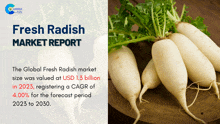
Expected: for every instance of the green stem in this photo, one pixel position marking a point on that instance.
(158, 25)
(135, 22)
(184, 7)
(150, 33)
(126, 21)
(172, 7)
(135, 13)
(164, 26)
(112, 27)
(132, 41)
(139, 25)
(175, 29)
(171, 17)
(124, 32)
(110, 21)
(177, 16)
(141, 20)
(152, 15)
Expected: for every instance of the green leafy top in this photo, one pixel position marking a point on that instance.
(150, 17)
(198, 22)
(154, 18)
(120, 32)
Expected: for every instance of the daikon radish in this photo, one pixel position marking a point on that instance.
(149, 78)
(199, 68)
(60, 57)
(100, 62)
(172, 71)
(125, 75)
(202, 41)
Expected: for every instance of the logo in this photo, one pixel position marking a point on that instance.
(11, 10)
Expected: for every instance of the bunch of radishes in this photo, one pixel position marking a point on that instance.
(189, 53)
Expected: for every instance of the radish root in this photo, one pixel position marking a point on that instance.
(184, 105)
(214, 84)
(194, 98)
(198, 119)
(145, 101)
(134, 106)
(80, 104)
(193, 83)
(199, 88)
(144, 89)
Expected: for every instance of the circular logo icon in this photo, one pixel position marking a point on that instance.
(9, 8)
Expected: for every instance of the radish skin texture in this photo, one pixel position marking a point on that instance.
(198, 66)
(149, 78)
(125, 76)
(99, 50)
(172, 71)
(202, 41)
(60, 57)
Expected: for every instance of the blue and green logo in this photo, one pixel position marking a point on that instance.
(9, 9)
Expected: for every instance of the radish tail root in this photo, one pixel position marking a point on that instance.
(194, 98)
(192, 84)
(215, 86)
(182, 101)
(134, 106)
(193, 116)
(202, 88)
(144, 89)
(80, 104)
(190, 114)
(145, 101)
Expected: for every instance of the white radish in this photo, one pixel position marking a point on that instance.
(198, 66)
(172, 71)
(202, 41)
(60, 57)
(125, 76)
(149, 78)
(100, 62)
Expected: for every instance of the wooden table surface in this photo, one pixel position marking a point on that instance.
(208, 9)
